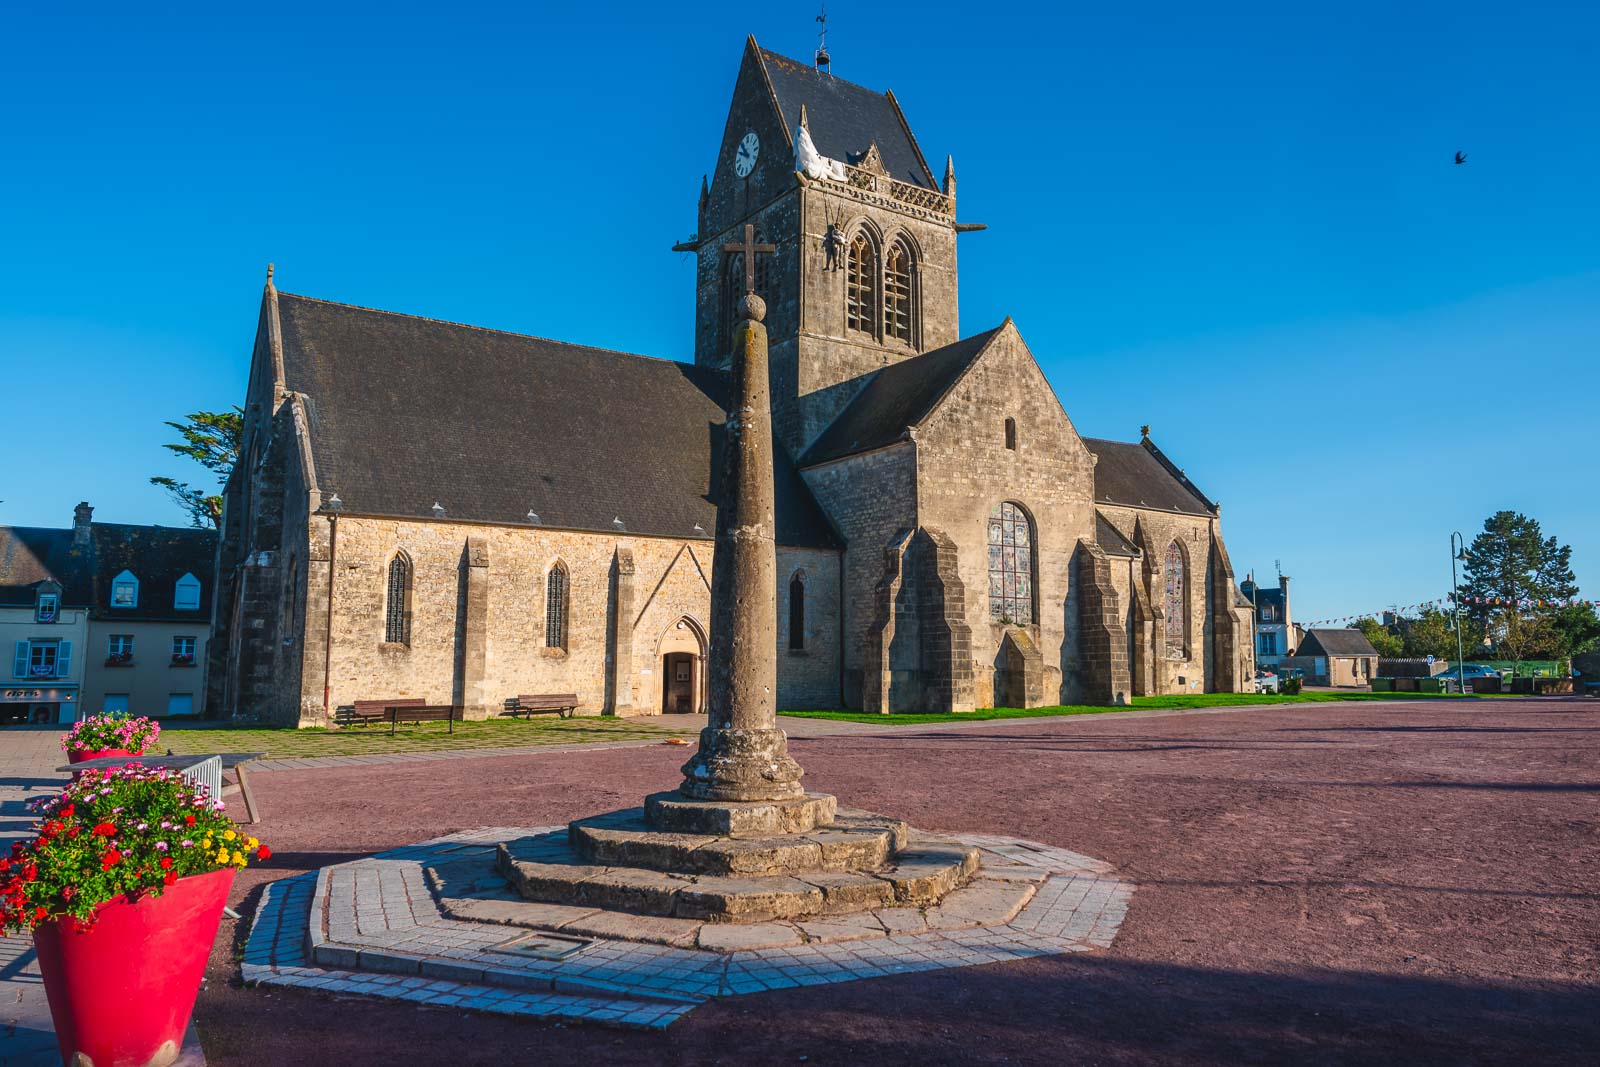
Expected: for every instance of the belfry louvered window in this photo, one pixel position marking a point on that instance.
(555, 608)
(1177, 603)
(397, 611)
(861, 286)
(898, 293)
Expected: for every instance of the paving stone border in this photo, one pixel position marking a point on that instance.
(373, 927)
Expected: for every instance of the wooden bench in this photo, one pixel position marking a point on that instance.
(395, 711)
(563, 704)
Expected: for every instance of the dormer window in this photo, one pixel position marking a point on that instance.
(186, 594)
(48, 607)
(125, 591)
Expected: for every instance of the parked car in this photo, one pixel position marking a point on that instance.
(1267, 682)
(1469, 671)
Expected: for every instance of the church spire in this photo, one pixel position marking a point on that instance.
(950, 177)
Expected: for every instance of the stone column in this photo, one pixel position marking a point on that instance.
(620, 654)
(743, 755)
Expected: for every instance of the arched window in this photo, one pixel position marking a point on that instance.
(899, 293)
(397, 613)
(861, 286)
(1011, 434)
(797, 612)
(555, 607)
(733, 287)
(1177, 603)
(1010, 565)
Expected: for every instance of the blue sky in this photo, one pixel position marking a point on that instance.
(1239, 224)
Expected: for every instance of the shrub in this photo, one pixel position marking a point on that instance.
(1290, 687)
(115, 730)
(125, 831)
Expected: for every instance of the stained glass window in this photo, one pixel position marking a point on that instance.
(1010, 565)
(897, 292)
(861, 286)
(555, 608)
(397, 615)
(1177, 604)
(797, 613)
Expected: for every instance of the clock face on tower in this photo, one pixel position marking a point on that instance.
(744, 160)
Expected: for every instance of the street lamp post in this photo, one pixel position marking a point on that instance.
(1457, 551)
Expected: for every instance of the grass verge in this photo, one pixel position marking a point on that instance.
(1198, 700)
(421, 737)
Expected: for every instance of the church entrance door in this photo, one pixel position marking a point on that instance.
(678, 670)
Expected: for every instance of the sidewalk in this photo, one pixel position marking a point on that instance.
(28, 760)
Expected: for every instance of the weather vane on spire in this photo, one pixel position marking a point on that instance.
(823, 58)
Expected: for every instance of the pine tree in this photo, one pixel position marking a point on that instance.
(211, 439)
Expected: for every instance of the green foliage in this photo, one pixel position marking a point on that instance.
(211, 439)
(1513, 573)
(1432, 634)
(1290, 687)
(1576, 628)
(1389, 645)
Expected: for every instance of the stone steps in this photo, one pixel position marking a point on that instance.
(626, 839)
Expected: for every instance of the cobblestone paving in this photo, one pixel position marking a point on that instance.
(371, 927)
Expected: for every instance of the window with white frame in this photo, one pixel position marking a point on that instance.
(186, 594)
(182, 649)
(125, 591)
(119, 646)
(48, 608)
(42, 659)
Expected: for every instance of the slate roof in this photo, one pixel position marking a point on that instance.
(1335, 642)
(30, 555)
(899, 395)
(1110, 539)
(1137, 475)
(844, 118)
(407, 411)
(157, 555)
(1264, 597)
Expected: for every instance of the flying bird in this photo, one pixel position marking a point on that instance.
(1461, 157)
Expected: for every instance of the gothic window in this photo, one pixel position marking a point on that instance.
(899, 293)
(555, 608)
(397, 614)
(797, 612)
(733, 287)
(1010, 565)
(1011, 434)
(1177, 603)
(861, 286)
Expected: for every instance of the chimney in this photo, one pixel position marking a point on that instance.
(1288, 619)
(82, 515)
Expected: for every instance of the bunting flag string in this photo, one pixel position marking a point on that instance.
(1444, 603)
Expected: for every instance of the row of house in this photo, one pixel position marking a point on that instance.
(104, 617)
(1336, 656)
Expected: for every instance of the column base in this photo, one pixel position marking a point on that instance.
(742, 765)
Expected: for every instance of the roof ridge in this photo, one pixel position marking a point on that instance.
(487, 329)
(801, 63)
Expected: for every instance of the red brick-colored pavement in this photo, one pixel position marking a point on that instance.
(1318, 883)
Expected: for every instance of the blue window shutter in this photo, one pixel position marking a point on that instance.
(64, 660)
(20, 666)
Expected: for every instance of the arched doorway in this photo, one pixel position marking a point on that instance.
(682, 658)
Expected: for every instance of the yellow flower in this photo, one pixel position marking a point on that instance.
(228, 835)
(238, 857)
(207, 842)
(252, 844)
(222, 855)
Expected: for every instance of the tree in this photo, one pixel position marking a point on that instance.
(211, 439)
(1388, 645)
(1516, 582)
(1576, 629)
(1432, 634)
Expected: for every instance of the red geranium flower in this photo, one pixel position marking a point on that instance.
(188, 820)
(169, 878)
(39, 913)
(66, 811)
(263, 853)
(104, 829)
(67, 892)
(110, 860)
(166, 863)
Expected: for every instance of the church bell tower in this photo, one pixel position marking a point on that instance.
(865, 269)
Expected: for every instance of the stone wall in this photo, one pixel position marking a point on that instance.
(478, 617)
(965, 471)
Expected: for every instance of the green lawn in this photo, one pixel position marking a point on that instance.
(421, 737)
(1198, 700)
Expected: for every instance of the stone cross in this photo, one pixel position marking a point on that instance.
(750, 249)
(743, 755)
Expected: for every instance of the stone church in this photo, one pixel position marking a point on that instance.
(430, 510)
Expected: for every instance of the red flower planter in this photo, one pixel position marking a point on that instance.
(121, 991)
(78, 755)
